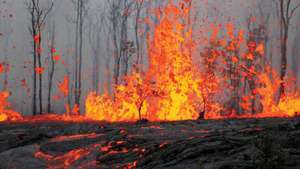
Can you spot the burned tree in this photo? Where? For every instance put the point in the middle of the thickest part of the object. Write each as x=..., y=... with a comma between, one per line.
x=119, y=13
x=38, y=16
x=295, y=60
x=5, y=28
x=52, y=58
x=80, y=7
x=95, y=29
x=113, y=18
x=138, y=7
x=286, y=11
x=255, y=59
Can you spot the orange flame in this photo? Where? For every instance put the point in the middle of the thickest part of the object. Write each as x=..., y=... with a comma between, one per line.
x=168, y=90
x=172, y=88
x=6, y=114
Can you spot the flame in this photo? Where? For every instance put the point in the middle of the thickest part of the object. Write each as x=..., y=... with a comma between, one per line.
x=287, y=106
x=172, y=88
x=290, y=106
x=64, y=86
x=6, y=114
x=168, y=90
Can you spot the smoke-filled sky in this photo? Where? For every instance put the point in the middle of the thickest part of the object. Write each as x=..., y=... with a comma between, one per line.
x=15, y=39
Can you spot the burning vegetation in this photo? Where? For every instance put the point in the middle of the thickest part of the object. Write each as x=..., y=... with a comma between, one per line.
x=180, y=97
x=6, y=113
x=232, y=78
x=236, y=82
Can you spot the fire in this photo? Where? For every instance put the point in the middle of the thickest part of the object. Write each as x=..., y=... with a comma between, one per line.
x=6, y=114
x=290, y=106
x=170, y=88
x=173, y=88
x=64, y=86
x=227, y=83
x=287, y=105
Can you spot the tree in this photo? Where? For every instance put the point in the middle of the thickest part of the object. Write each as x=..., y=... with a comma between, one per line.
x=51, y=65
x=256, y=58
x=95, y=28
x=296, y=59
x=119, y=13
x=38, y=16
x=5, y=30
x=114, y=13
x=286, y=10
x=80, y=7
x=138, y=7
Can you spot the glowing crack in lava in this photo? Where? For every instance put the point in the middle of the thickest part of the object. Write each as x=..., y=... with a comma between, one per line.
x=173, y=88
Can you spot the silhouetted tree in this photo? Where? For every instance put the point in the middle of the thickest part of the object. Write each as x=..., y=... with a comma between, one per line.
x=51, y=65
x=286, y=10
x=38, y=16
x=80, y=7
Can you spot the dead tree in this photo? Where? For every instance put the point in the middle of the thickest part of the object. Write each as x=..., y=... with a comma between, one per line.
x=5, y=26
x=80, y=7
x=51, y=66
x=296, y=60
x=258, y=37
x=119, y=13
x=94, y=34
x=138, y=7
x=38, y=16
x=114, y=15
x=286, y=10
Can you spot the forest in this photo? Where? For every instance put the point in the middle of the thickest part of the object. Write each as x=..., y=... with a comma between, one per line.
x=123, y=60
x=163, y=84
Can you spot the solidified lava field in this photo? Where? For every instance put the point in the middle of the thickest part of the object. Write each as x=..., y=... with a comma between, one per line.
x=203, y=144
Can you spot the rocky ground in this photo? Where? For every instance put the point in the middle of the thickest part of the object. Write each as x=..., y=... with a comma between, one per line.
x=206, y=144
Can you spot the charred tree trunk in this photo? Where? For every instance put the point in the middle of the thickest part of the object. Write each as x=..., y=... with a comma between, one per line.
x=40, y=74
x=76, y=52
x=138, y=6
x=114, y=15
x=95, y=29
x=38, y=16
x=51, y=69
x=80, y=52
x=286, y=12
x=34, y=34
x=80, y=8
x=283, y=67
